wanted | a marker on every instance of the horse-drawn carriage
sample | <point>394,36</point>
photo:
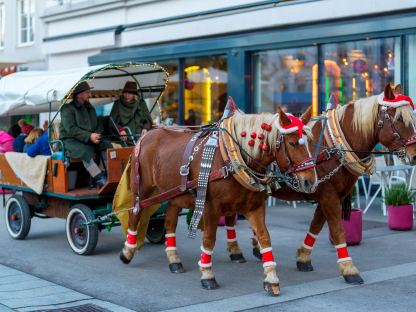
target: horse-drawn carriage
<point>59,186</point>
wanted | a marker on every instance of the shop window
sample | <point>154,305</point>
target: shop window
<point>286,78</point>
<point>169,101</point>
<point>412,67</point>
<point>205,89</point>
<point>360,69</point>
<point>26,21</point>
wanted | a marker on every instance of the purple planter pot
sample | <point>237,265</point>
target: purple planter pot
<point>400,217</point>
<point>353,228</point>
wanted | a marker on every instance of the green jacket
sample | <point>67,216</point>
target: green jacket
<point>78,121</point>
<point>134,115</point>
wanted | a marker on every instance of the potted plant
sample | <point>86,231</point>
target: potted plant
<point>352,221</point>
<point>399,201</point>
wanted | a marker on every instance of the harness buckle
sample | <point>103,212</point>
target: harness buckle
<point>327,154</point>
<point>380,123</point>
<point>228,169</point>
<point>184,170</point>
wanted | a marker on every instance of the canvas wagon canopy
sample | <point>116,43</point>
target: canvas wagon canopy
<point>33,92</point>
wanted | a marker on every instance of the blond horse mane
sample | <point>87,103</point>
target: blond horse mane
<point>252,123</point>
<point>366,115</point>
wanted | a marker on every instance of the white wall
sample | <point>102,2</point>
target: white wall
<point>70,60</point>
<point>32,55</point>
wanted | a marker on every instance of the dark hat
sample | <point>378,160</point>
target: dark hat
<point>131,87</point>
<point>83,86</point>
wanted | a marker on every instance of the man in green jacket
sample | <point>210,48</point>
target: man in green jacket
<point>81,132</point>
<point>131,111</point>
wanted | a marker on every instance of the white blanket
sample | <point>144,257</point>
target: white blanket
<point>31,171</point>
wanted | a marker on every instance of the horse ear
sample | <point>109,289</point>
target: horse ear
<point>398,89</point>
<point>388,92</point>
<point>284,120</point>
<point>307,115</point>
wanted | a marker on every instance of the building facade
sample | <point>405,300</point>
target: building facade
<point>262,53</point>
<point>21,39</point>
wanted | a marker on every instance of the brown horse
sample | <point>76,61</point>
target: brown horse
<point>157,160</point>
<point>364,123</point>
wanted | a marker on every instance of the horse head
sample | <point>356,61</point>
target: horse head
<point>396,123</point>
<point>293,152</point>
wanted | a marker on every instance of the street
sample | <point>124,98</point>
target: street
<point>386,258</point>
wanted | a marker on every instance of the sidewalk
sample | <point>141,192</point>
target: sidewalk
<point>23,292</point>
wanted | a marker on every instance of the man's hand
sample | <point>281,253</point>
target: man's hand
<point>123,135</point>
<point>95,138</point>
<point>144,131</point>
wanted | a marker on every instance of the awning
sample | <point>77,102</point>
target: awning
<point>33,92</point>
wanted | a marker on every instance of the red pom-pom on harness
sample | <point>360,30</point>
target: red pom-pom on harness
<point>251,143</point>
<point>243,133</point>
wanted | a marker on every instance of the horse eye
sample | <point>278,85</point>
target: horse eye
<point>293,144</point>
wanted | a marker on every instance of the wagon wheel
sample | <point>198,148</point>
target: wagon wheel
<point>18,217</point>
<point>81,237</point>
<point>156,231</point>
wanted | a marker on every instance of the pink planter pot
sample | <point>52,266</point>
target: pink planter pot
<point>353,228</point>
<point>400,217</point>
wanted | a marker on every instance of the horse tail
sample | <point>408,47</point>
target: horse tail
<point>346,207</point>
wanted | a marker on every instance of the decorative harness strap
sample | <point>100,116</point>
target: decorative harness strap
<point>203,177</point>
<point>335,137</point>
<point>230,152</point>
<point>187,159</point>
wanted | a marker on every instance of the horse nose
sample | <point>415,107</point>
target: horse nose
<point>307,183</point>
<point>414,159</point>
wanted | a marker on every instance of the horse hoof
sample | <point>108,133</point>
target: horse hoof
<point>123,258</point>
<point>271,289</point>
<point>353,279</point>
<point>176,267</point>
<point>304,266</point>
<point>238,258</point>
<point>209,284</point>
<point>256,253</point>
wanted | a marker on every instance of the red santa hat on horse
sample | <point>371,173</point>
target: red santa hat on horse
<point>295,124</point>
<point>393,97</point>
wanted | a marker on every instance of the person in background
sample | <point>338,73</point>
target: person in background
<point>131,111</point>
<point>7,138</point>
<point>31,138</point>
<point>19,142</point>
<point>40,147</point>
<point>191,120</point>
<point>22,123</point>
<point>81,132</point>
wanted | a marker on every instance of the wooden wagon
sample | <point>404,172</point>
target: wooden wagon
<point>66,191</point>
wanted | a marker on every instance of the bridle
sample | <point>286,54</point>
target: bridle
<point>304,165</point>
<point>400,143</point>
